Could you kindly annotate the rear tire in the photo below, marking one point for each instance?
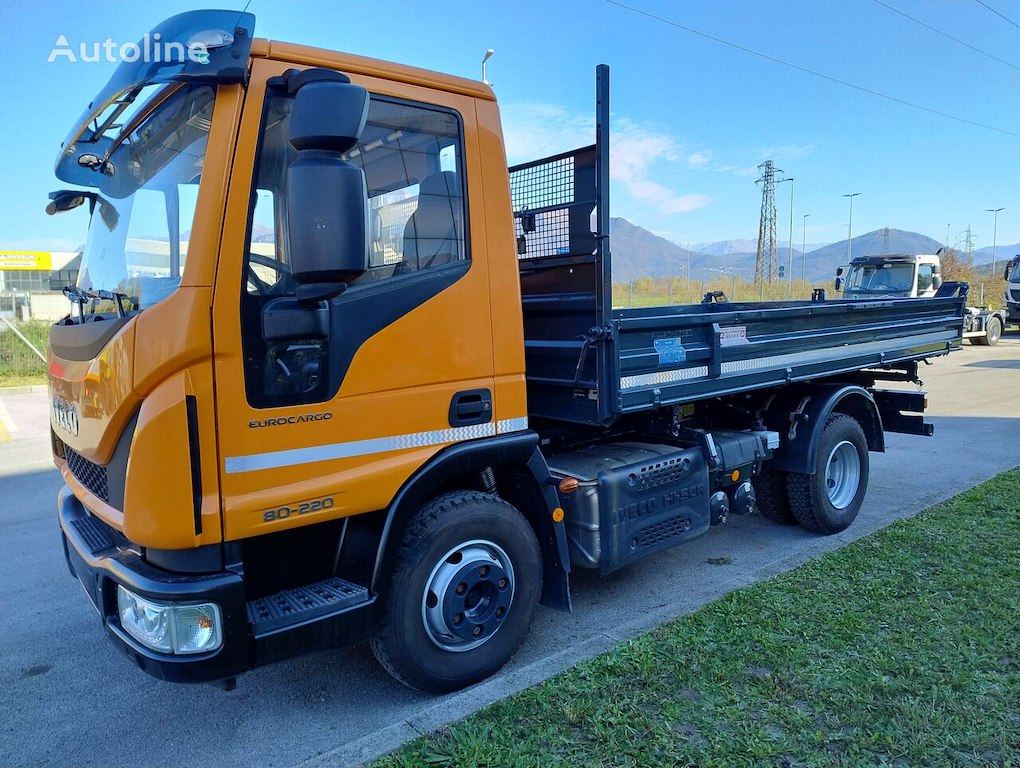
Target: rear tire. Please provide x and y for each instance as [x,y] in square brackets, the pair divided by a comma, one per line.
[829,500]
[465,586]
[770,494]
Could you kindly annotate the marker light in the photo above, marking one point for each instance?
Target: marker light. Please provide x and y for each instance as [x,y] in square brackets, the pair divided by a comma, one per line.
[169,628]
[569,485]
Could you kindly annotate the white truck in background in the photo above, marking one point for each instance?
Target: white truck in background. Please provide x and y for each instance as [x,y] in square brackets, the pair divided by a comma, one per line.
[1012,294]
[919,275]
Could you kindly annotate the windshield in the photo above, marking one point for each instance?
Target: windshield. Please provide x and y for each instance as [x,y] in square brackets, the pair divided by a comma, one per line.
[137,243]
[1014,276]
[880,278]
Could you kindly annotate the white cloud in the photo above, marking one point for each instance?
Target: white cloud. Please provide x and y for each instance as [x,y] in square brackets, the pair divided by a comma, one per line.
[744,171]
[638,152]
[699,159]
[536,130]
[786,152]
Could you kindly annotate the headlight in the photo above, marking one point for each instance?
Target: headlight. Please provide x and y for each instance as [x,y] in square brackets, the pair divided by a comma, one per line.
[170,628]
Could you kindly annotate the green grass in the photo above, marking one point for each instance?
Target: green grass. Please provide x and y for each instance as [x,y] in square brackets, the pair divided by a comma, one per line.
[901,649]
[18,364]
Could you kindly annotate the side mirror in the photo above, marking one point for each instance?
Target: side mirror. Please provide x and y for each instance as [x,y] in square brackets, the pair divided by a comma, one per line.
[69,199]
[837,284]
[327,197]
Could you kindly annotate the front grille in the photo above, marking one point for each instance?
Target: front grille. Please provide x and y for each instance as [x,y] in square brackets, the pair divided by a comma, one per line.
[89,474]
[1014,296]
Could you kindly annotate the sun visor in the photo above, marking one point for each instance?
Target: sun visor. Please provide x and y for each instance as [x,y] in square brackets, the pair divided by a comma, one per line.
[207,46]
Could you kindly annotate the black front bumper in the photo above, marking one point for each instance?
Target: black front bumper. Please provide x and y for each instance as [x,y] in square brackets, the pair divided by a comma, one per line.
[101,559]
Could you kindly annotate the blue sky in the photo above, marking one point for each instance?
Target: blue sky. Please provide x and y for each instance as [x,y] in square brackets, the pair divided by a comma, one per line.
[692,117]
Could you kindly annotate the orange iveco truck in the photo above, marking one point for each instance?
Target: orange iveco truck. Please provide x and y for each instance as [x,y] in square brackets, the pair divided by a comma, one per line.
[331,373]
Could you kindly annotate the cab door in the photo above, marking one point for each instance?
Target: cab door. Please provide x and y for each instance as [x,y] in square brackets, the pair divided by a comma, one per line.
[325,410]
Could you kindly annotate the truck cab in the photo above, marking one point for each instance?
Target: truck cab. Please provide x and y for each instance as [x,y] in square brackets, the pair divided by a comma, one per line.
[900,275]
[907,275]
[285,304]
[1011,274]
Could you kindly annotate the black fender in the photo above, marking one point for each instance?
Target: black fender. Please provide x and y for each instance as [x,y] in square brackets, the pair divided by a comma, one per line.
[799,414]
[524,481]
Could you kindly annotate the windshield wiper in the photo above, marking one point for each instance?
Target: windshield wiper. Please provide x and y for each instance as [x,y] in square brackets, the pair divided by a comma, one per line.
[117,298]
[81,296]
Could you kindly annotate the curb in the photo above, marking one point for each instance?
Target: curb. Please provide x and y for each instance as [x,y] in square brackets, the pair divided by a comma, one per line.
[27,389]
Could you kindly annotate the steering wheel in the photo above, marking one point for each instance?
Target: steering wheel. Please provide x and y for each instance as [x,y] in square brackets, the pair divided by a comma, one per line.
[263,288]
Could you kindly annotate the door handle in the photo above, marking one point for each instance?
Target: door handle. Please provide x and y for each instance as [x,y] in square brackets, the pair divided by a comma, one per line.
[472,406]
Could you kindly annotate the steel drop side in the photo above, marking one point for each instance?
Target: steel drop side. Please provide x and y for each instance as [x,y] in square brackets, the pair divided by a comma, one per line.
[591,363]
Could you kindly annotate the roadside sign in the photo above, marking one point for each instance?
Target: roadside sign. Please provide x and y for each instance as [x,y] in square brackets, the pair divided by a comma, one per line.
[22,260]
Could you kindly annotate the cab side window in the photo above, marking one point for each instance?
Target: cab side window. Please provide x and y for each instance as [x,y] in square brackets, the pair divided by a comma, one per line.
[925,277]
[412,156]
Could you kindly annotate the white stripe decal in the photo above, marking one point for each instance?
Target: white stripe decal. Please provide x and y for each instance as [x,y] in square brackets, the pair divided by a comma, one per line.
[289,458]
[774,361]
[312,454]
[511,425]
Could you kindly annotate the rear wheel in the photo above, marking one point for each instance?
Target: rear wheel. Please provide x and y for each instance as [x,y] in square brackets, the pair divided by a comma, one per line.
[770,495]
[829,500]
[464,590]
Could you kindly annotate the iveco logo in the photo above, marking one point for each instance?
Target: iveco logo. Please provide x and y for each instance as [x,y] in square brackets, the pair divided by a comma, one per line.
[65,415]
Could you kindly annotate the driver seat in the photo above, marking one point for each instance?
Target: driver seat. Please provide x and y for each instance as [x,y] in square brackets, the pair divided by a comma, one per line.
[434,234]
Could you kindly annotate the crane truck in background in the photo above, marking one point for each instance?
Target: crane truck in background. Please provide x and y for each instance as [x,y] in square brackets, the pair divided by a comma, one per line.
[914,275]
[333,374]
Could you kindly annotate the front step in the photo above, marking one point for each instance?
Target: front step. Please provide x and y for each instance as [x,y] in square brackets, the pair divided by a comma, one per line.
[297,606]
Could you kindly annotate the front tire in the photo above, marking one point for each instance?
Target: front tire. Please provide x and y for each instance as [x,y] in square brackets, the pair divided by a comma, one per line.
[829,500]
[465,586]
[993,332]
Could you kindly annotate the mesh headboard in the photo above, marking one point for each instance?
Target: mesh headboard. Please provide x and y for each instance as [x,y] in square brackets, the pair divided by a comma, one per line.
[557,195]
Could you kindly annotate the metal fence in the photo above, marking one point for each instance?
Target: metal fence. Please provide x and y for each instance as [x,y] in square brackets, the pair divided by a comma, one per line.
[22,349]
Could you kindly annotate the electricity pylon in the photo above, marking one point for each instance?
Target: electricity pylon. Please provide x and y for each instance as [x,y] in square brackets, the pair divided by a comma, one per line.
[765,265]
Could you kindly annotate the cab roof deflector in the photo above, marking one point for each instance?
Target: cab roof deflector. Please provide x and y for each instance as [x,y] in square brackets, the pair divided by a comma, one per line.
[208,46]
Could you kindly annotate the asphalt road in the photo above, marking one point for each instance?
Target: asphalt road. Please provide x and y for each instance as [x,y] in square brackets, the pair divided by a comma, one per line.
[68,697]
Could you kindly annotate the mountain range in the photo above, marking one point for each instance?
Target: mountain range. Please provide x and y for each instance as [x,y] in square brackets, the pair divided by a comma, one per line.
[639,253]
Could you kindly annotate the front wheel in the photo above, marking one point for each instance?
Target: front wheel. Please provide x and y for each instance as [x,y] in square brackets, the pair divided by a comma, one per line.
[828,501]
[993,331]
[465,586]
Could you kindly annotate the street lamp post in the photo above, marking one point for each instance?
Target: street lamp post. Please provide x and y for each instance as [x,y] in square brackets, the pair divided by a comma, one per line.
[803,247]
[789,266]
[485,58]
[995,233]
[850,228]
